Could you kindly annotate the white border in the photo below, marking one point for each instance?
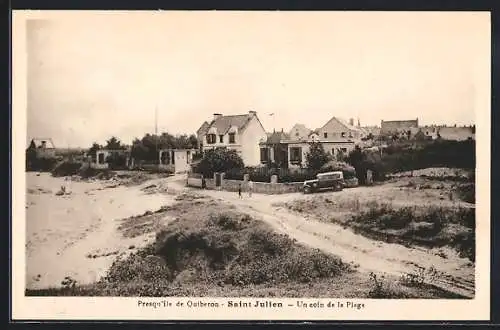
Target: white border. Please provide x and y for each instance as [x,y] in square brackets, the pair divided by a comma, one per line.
[65,308]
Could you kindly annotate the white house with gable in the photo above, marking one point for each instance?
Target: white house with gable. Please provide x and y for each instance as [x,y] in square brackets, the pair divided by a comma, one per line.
[235,132]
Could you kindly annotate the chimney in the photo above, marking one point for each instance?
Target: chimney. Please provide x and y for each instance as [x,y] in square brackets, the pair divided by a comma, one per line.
[217,116]
[351,121]
[252,113]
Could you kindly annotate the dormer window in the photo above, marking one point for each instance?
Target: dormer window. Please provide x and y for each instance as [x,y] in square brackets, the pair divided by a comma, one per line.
[325,135]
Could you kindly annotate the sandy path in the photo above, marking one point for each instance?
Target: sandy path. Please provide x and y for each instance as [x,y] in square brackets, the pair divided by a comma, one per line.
[453,273]
[63,233]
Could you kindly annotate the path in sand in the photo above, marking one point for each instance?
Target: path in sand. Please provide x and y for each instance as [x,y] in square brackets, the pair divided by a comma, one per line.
[63,231]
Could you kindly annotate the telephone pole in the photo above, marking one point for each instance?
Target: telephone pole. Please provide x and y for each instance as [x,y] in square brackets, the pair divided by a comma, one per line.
[157,155]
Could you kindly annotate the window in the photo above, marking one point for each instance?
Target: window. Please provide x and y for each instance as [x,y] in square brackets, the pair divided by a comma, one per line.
[188,156]
[342,134]
[333,151]
[296,155]
[350,135]
[221,138]
[232,138]
[211,138]
[100,159]
[343,150]
[325,135]
[264,155]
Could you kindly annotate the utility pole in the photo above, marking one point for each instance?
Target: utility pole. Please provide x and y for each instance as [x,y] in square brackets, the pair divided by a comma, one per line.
[157,155]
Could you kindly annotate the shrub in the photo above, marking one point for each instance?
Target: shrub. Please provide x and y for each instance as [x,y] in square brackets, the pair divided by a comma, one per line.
[67,168]
[40,164]
[316,157]
[219,160]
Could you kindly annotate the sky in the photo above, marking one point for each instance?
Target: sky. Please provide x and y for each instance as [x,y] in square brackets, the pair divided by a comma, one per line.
[93,76]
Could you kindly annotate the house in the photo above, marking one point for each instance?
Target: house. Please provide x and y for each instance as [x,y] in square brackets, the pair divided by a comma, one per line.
[42,148]
[200,134]
[176,160]
[337,129]
[299,132]
[459,133]
[236,132]
[402,128]
[337,137]
[373,130]
[274,150]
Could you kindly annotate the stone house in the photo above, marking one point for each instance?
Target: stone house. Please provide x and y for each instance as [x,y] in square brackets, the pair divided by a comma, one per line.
[400,128]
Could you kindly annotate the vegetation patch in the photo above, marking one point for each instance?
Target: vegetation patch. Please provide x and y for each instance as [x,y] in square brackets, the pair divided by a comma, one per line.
[431,227]
[207,249]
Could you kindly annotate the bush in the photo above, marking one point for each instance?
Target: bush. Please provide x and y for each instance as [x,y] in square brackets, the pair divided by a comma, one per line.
[41,164]
[431,227]
[117,161]
[408,156]
[219,160]
[316,157]
[67,168]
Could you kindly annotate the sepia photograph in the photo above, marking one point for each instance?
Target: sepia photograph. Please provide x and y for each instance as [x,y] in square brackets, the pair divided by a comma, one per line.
[253,160]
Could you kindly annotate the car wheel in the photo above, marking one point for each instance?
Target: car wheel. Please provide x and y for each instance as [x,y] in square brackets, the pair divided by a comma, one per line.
[307,190]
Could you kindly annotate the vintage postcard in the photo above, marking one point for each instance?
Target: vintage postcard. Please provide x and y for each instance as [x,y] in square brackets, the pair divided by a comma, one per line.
[232,165]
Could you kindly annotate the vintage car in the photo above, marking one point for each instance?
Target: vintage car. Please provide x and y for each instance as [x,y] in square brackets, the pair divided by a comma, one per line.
[325,181]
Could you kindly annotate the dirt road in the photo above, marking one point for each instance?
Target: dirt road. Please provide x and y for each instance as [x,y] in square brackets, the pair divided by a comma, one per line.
[451,272]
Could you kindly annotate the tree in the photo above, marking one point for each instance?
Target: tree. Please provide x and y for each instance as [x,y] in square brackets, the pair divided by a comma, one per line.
[358,160]
[93,149]
[117,160]
[114,144]
[316,157]
[331,166]
[219,160]
[146,149]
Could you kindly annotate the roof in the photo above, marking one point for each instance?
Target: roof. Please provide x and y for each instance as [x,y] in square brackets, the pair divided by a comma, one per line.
[277,137]
[224,123]
[39,141]
[409,121]
[346,124]
[203,128]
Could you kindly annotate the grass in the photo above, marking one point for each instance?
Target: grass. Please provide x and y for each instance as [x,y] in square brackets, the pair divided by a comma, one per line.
[420,225]
[212,250]
[430,227]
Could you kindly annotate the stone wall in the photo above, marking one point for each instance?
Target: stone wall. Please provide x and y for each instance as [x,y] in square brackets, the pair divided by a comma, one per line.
[258,187]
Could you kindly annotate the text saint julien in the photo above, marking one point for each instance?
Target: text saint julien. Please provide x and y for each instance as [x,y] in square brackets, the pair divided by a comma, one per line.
[255,304]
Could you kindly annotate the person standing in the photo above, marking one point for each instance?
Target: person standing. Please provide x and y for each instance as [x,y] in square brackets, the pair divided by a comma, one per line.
[250,188]
[239,191]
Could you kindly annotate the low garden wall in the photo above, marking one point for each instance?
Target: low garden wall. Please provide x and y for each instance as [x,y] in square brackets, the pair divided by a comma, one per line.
[258,187]
[263,187]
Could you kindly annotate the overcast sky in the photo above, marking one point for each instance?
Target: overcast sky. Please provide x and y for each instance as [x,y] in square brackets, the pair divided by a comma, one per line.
[95,76]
